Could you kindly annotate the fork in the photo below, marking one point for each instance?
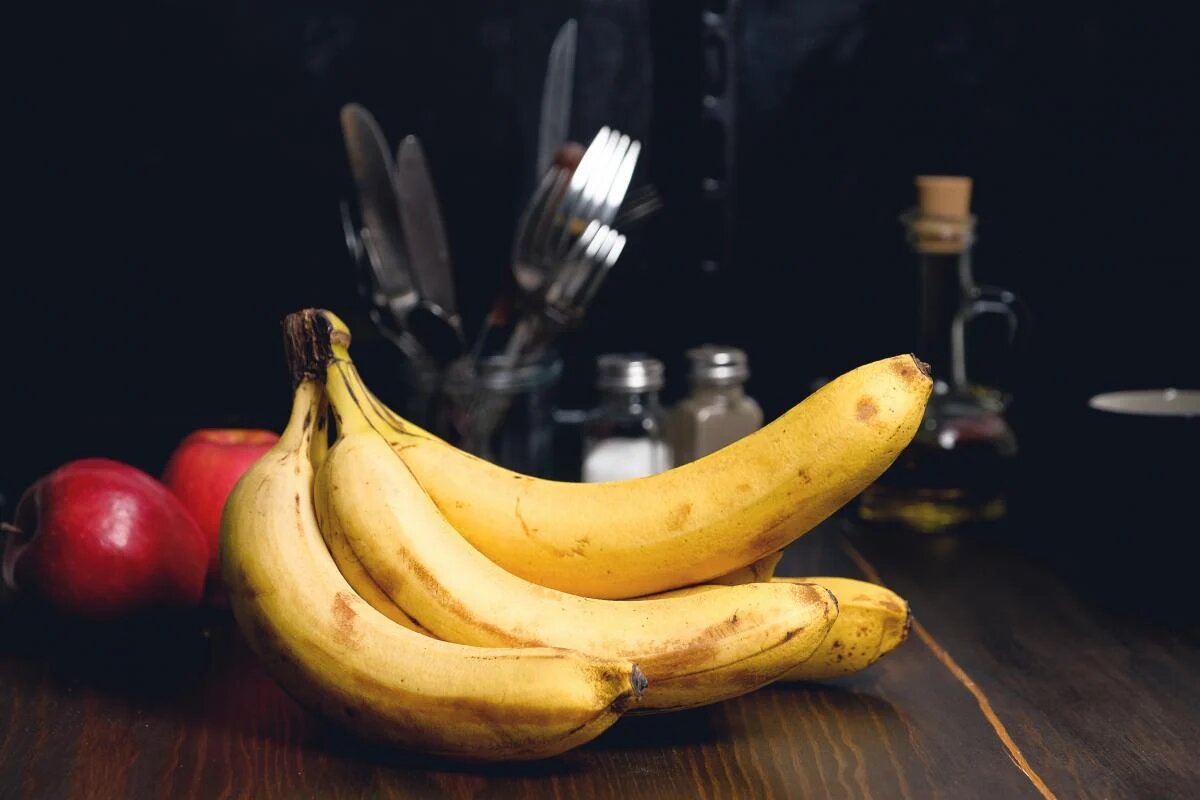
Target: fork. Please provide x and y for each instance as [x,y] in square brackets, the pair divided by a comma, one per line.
[562,239]
[571,291]
[580,186]
[595,192]
[549,236]
[593,254]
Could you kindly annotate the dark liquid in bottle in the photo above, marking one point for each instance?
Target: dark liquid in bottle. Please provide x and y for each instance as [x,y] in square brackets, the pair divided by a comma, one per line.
[954,472]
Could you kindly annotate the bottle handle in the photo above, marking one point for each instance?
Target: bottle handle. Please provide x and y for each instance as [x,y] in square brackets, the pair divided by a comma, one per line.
[983,300]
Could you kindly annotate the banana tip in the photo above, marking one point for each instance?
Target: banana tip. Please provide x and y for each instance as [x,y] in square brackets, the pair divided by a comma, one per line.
[921,365]
[638,679]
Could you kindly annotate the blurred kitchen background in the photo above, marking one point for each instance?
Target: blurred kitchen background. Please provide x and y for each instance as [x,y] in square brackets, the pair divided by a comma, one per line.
[179,167]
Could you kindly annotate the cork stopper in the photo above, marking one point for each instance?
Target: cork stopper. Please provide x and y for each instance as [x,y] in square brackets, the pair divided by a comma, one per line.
[942,221]
[944,196]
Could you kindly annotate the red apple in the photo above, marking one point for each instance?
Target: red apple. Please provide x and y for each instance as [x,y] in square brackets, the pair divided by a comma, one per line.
[203,469]
[100,539]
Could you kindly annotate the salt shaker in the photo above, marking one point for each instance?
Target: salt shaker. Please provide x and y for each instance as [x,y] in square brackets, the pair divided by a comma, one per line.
[717,410]
[624,435]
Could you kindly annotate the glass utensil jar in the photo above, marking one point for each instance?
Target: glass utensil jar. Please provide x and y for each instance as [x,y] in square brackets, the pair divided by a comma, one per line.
[623,436]
[502,413]
[717,410]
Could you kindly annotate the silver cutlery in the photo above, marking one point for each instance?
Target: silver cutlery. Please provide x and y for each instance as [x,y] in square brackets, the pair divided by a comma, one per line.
[558,250]
[557,89]
[379,247]
[570,292]
[565,205]
[554,126]
[435,322]
[640,205]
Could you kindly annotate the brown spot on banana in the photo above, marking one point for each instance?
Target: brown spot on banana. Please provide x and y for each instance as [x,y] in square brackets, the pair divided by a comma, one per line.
[435,590]
[343,620]
[678,516]
[891,605]
[577,550]
[521,519]
[682,660]
[475,707]
[866,408]
[245,588]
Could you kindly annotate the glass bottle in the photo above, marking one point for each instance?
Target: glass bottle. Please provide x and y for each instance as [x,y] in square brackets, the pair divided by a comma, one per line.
[623,436]
[958,466]
[717,411]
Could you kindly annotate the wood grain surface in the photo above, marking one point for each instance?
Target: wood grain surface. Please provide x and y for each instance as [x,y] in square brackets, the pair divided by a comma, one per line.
[1098,701]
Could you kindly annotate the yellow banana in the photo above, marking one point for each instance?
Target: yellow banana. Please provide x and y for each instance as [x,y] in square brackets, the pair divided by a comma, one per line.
[695,651]
[363,584]
[345,660]
[872,621]
[349,565]
[684,526]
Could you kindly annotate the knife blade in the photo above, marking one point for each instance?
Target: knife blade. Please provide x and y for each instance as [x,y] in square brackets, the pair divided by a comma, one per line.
[425,236]
[395,291]
[557,89]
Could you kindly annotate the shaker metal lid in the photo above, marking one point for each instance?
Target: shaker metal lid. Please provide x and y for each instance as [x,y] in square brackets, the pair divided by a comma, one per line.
[629,372]
[719,364]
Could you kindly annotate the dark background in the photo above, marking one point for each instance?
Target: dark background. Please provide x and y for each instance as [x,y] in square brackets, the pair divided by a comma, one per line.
[178,166]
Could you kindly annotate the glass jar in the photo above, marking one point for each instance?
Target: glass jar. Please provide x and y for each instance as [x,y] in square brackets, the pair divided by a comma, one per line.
[717,410]
[624,435]
[501,412]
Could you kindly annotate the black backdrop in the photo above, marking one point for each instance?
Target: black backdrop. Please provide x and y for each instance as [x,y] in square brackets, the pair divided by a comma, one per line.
[178,166]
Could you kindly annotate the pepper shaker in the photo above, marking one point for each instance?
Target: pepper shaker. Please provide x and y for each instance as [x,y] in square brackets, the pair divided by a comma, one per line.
[717,411]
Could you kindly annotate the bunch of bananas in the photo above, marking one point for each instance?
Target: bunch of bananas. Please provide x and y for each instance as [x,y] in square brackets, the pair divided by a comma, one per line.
[426,598]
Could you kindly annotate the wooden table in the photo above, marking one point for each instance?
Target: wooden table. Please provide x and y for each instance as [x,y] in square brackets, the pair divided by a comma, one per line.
[1014,684]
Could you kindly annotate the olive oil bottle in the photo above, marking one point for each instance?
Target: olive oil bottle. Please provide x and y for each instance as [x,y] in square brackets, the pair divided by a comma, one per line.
[957,468]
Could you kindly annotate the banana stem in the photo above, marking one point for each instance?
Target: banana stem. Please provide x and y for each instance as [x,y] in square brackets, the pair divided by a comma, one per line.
[309,340]
[317,344]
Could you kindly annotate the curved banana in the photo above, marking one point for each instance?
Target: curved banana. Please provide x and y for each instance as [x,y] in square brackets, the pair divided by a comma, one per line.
[684,526]
[349,565]
[345,660]
[695,651]
[872,621]
[363,584]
